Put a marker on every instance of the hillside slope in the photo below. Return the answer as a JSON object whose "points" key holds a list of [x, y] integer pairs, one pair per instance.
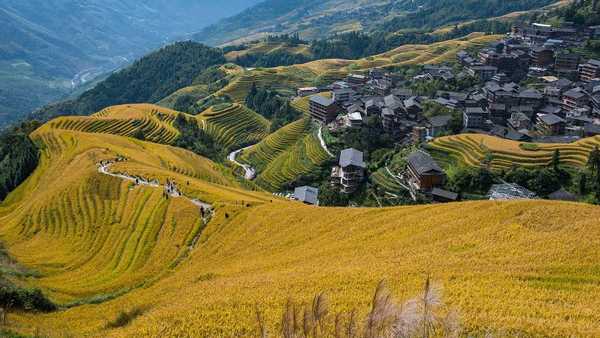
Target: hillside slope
{"points": [[151, 122], [287, 79], [494, 269], [92, 235], [474, 149], [319, 19]]}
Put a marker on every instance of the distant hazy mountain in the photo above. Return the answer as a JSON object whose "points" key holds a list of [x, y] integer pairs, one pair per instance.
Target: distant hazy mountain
{"points": [[49, 46], [321, 18]]}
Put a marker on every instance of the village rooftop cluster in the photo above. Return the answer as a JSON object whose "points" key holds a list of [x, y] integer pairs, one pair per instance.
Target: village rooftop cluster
{"points": [[532, 86]]}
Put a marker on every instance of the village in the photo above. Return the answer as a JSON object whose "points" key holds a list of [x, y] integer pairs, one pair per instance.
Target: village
{"points": [[532, 86]]}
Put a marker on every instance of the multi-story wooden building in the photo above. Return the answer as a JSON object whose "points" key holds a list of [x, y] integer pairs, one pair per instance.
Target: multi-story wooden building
{"points": [[424, 173], [574, 98], [350, 172], [323, 109], [589, 70]]}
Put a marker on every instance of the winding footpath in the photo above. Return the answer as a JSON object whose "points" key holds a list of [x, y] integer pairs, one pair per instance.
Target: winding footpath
{"points": [[169, 187], [396, 178], [249, 172], [323, 144]]}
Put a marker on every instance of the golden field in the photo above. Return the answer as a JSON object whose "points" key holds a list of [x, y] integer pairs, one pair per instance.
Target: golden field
{"points": [[155, 122], [473, 149], [528, 268]]}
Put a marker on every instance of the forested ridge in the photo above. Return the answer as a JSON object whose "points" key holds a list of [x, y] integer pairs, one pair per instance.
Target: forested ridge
{"points": [[147, 80], [436, 13]]}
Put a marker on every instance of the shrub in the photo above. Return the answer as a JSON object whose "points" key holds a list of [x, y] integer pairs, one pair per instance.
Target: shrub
{"points": [[529, 146], [25, 299], [139, 134], [125, 317]]}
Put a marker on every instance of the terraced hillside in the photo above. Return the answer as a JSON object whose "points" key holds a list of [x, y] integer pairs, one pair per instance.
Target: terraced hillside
{"points": [[120, 248], [289, 78], [267, 47], [285, 155], [267, 150], [284, 79], [386, 180], [234, 126], [92, 236], [304, 157], [197, 92], [155, 123], [473, 149]]}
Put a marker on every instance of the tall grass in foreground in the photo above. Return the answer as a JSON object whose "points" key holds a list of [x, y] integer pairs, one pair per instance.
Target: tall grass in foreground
{"points": [[422, 316]]}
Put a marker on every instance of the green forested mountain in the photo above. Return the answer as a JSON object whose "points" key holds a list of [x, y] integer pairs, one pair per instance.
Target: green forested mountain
{"points": [[147, 80], [585, 12], [318, 19], [48, 47]]}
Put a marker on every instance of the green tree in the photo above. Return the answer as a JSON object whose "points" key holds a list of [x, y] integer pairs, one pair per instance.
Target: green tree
{"points": [[594, 167], [139, 134], [544, 181], [556, 160], [18, 157]]}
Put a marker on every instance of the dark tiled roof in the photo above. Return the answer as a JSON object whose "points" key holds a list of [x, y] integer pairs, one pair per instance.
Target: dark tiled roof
{"points": [[412, 102], [550, 109], [515, 135], [474, 110], [423, 163], [440, 121], [354, 108], [594, 62], [562, 195], [449, 195], [321, 100], [562, 83], [551, 119], [531, 94], [353, 157], [307, 194], [497, 106], [387, 112], [575, 93], [343, 91]]}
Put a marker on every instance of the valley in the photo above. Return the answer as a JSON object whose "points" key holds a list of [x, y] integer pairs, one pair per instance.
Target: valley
{"points": [[66, 44]]}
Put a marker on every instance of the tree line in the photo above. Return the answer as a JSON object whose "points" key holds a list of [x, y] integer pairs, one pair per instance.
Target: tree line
{"points": [[272, 106], [18, 156], [193, 138]]}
